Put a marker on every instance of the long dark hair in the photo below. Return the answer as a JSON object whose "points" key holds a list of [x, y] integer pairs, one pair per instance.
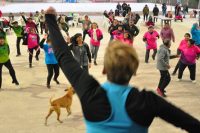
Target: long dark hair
{"points": [[73, 38]]}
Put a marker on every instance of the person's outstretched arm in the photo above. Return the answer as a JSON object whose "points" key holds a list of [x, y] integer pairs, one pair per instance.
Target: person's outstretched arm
{"points": [[143, 106], [80, 79]]}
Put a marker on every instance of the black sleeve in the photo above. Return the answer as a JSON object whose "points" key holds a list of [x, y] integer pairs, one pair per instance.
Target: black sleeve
{"points": [[82, 82], [38, 39], [173, 56], [42, 43], [36, 28], [143, 106], [88, 53], [24, 19], [8, 49], [144, 39], [136, 31]]}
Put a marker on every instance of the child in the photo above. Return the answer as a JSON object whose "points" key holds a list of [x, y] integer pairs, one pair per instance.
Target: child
{"points": [[150, 38], [127, 38], [163, 66], [81, 51], [112, 28], [50, 60], [19, 32], [150, 21], [119, 33], [32, 40], [95, 37], [115, 106], [189, 54], [5, 60]]}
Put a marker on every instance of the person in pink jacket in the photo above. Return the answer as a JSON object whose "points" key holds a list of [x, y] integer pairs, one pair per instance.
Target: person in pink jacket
{"points": [[32, 41], [184, 42], [95, 38], [127, 39], [150, 38], [119, 33], [189, 54], [167, 33]]}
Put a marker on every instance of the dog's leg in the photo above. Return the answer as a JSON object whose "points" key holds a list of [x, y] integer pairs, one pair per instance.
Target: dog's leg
{"points": [[69, 111], [50, 112], [58, 114]]}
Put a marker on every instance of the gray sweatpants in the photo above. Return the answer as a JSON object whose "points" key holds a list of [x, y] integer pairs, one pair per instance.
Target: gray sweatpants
{"points": [[94, 51]]}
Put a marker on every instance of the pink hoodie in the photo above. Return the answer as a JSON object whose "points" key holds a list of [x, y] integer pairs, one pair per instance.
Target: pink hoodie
{"points": [[151, 39], [189, 54], [32, 40], [183, 44], [118, 35], [92, 40]]}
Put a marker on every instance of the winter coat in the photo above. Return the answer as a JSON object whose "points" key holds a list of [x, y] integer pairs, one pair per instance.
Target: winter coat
{"points": [[163, 57], [151, 39], [92, 39]]}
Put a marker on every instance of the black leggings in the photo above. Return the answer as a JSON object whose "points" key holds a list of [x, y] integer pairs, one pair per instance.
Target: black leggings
{"points": [[177, 67], [147, 55], [18, 44], [146, 17], [164, 80], [37, 49], [84, 34], [192, 69], [52, 68], [11, 71]]}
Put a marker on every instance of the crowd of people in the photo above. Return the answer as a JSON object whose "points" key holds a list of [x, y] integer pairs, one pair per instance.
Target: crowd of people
{"points": [[58, 45]]}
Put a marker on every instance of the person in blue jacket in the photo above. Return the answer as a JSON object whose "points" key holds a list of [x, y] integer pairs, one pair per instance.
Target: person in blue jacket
{"points": [[195, 31], [50, 60]]}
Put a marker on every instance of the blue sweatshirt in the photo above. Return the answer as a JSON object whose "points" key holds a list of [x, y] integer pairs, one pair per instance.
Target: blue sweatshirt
{"points": [[49, 55], [195, 34]]}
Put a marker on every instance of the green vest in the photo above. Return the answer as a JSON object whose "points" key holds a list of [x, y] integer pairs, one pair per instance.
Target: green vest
{"points": [[4, 53], [4, 34], [18, 31]]}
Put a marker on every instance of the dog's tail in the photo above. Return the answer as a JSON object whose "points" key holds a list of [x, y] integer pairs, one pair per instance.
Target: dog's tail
{"points": [[50, 100]]}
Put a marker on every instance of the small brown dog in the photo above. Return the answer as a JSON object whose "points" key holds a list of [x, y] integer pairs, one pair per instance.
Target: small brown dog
{"points": [[63, 102]]}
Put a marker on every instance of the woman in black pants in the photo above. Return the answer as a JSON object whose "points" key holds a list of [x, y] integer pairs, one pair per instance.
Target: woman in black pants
{"points": [[184, 42], [189, 54]]}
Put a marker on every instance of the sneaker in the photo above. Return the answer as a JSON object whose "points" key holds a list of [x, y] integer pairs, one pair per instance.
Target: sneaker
{"points": [[95, 63], [57, 82], [194, 81], [160, 93], [153, 57], [18, 55], [30, 65], [178, 80], [37, 58], [15, 82], [173, 74], [48, 86]]}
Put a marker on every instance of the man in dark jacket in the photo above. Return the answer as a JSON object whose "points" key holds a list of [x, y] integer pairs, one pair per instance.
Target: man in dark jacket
{"points": [[119, 7], [155, 13]]}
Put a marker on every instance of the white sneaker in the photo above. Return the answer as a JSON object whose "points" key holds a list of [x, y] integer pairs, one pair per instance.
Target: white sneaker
{"points": [[178, 80], [194, 81]]}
